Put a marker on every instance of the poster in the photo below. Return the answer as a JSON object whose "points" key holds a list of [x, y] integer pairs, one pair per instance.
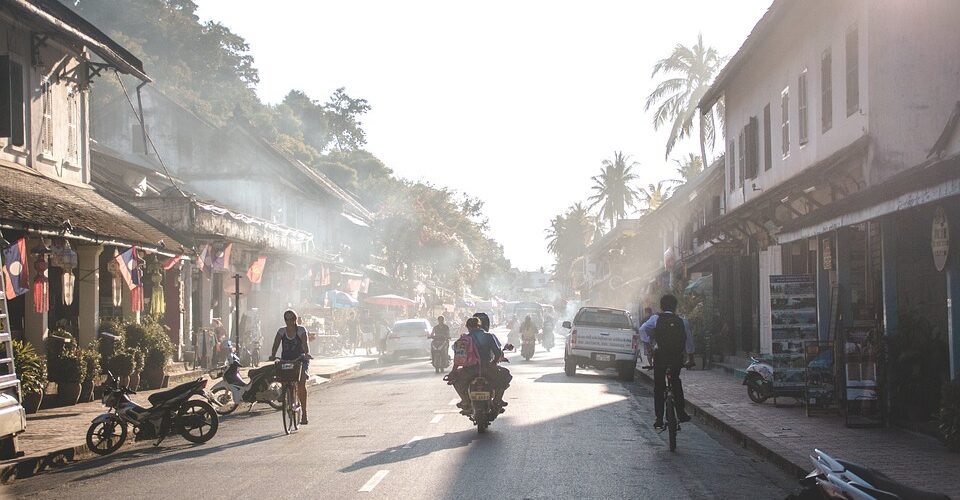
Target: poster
{"points": [[793, 310], [860, 356]]}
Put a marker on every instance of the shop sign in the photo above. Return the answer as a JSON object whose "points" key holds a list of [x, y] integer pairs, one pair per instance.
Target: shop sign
{"points": [[940, 239], [827, 255]]}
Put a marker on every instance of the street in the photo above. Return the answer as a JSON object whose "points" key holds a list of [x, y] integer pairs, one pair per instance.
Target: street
{"points": [[394, 432]]}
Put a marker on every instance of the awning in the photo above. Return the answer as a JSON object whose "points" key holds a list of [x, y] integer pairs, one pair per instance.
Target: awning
{"points": [[32, 202], [354, 219]]}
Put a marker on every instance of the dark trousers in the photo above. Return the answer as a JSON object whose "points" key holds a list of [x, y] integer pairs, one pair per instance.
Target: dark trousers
{"points": [[499, 376], [660, 387]]}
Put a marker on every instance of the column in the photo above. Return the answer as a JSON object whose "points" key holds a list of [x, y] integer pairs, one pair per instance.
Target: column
{"points": [[88, 286], [173, 307], [35, 324], [824, 286], [129, 314], [186, 302], [953, 313], [842, 263], [206, 295], [888, 251]]}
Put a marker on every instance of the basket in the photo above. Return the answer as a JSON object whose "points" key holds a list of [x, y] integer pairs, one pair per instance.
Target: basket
{"points": [[289, 371]]}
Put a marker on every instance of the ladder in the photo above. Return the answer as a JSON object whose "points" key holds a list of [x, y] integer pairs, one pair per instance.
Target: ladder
{"points": [[8, 374], [13, 419]]}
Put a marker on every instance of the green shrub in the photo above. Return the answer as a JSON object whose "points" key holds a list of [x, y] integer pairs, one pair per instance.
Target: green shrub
{"points": [[121, 364], [60, 345], [138, 358], [91, 361], [948, 418], [31, 368], [72, 368]]}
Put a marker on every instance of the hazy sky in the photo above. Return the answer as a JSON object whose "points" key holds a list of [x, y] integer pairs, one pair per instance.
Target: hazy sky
{"points": [[514, 102]]}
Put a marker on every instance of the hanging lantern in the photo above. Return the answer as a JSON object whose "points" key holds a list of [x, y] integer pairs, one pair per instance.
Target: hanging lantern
{"points": [[64, 257], [69, 281], [158, 305], [41, 286], [136, 295], [116, 281]]}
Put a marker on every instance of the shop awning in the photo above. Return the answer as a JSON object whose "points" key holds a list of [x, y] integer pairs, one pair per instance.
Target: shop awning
{"points": [[34, 203]]}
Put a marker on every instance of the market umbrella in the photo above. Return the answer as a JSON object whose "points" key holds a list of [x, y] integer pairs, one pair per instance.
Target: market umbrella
{"points": [[389, 300], [341, 300]]}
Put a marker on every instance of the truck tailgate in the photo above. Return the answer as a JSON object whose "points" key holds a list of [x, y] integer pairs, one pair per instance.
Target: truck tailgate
{"points": [[604, 339]]}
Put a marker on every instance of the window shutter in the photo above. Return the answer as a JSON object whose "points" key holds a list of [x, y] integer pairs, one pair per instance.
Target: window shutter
{"points": [[6, 110], [753, 131], [16, 104]]}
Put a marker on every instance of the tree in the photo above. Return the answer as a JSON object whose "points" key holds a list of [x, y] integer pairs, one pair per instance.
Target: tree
{"points": [[654, 195], [612, 188], [343, 113], [689, 71], [568, 237], [689, 168]]}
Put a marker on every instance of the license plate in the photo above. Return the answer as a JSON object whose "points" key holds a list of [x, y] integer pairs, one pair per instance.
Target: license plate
{"points": [[287, 366], [604, 357], [480, 396]]}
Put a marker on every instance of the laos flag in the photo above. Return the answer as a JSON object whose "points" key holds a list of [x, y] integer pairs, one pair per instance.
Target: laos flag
{"points": [[15, 272], [128, 266]]}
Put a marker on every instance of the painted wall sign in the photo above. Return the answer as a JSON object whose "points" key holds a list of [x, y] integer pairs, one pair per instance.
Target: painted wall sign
{"points": [[827, 255], [940, 239]]}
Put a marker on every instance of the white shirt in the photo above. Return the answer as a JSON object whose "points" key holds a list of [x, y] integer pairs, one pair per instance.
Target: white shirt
{"points": [[648, 326]]}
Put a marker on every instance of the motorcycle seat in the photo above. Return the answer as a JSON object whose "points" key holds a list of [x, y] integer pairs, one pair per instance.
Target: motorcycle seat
{"points": [[881, 482], [160, 397]]}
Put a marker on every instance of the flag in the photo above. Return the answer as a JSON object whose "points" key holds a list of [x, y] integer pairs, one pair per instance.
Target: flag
{"points": [[136, 277], [202, 260], [255, 271], [172, 261], [126, 263], [222, 259], [14, 267], [322, 276]]}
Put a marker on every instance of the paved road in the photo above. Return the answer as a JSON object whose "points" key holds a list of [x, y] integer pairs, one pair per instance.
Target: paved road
{"points": [[393, 432]]}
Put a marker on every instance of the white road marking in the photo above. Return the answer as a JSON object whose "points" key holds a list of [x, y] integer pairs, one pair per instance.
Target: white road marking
{"points": [[454, 401], [412, 441], [374, 481], [437, 419]]}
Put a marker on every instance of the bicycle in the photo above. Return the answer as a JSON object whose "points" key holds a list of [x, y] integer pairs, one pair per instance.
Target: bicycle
{"points": [[289, 373], [670, 408]]}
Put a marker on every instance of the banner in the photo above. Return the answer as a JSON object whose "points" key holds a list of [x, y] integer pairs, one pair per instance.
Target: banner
{"points": [[793, 310], [126, 264], [15, 269], [222, 258], [255, 271]]}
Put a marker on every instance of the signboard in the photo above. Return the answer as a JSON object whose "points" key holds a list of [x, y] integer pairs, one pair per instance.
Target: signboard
{"points": [[821, 393], [827, 255], [940, 239], [861, 389], [793, 311]]}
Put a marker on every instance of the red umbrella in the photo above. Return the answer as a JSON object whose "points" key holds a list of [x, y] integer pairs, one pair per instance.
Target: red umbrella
{"points": [[390, 300]]}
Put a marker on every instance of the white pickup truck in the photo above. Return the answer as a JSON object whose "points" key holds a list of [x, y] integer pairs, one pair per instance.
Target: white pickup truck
{"points": [[601, 338]]}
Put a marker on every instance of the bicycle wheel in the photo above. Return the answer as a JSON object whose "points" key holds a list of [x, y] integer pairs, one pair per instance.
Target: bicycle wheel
{"points": [[287, 412], [672, 424]]}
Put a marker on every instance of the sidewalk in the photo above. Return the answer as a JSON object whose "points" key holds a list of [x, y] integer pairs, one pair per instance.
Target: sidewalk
{"points": [[58, 435], [786, 436]]}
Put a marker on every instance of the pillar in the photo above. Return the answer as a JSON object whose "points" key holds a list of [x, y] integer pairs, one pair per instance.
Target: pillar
{"points": [[129, 314], [842, 263], [35, 325], [186, 302], [88, 289], [888, 253], [824, 285], [173, 307], [953, 313], [206, 297]]}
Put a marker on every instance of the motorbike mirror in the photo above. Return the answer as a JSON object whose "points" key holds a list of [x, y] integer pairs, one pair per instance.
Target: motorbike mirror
{"points": [[567, 325]]}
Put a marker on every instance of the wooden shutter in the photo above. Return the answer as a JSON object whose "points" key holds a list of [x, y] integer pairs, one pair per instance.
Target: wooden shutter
{"points": [[753, 143], [17, 137]]}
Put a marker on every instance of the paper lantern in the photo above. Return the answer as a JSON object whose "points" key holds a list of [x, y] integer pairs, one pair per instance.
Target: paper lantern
{"points": [[116, 281], [69, 281]]}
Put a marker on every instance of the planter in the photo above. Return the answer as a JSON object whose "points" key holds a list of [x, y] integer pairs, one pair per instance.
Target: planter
{"points": [[124, 380], [68, 393], [153, 377], [31, 402], [135, 381], [86, 391]]}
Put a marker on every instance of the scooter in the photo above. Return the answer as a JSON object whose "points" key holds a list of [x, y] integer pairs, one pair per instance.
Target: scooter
{"points": [[759, 382], [548, 339], [832, 478], [171, 411], [439, 354], [528, 345], [232, 390]]}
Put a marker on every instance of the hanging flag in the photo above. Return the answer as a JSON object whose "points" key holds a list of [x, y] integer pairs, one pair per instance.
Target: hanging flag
{"points": [[255, 271], [322, 276], [14, 267], [222, 259], [126, 263], [172, 261], [202, 260]]}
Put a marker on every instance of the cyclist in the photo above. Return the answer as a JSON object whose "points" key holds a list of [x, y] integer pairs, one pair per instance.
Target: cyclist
{"points": [[293, 338], [672, 337]]}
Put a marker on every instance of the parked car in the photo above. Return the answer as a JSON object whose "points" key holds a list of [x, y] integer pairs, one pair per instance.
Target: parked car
{"points": [[408, 337], [601, 338]]}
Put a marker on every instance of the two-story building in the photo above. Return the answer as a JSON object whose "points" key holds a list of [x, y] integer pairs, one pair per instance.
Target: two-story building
{"points": [[832, 110]]}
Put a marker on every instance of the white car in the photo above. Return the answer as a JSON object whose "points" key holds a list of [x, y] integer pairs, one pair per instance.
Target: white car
{"points": [[601, 338], [408, 337]]}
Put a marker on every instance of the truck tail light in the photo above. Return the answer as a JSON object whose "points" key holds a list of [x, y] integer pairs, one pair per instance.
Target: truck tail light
{"points": [[573, 337]]}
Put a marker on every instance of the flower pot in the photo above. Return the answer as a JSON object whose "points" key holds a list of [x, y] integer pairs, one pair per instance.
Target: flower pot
{"points": [[135, 380], [124, 380], [86, 391], [153, 377], [68, 393], [31, 402]]}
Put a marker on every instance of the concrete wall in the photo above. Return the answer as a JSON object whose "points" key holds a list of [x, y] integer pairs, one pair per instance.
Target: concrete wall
{"points": [[795, 45]]}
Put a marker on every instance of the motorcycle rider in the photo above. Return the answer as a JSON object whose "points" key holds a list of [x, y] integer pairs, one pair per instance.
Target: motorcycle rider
{"points": [[295, 345], [490, 354], [503, 374], [671, 336], [441, 333], [528, 331]]}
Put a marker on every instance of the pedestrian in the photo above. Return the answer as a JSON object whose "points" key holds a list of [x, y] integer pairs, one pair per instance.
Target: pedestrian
{"points": [[293, 338]]}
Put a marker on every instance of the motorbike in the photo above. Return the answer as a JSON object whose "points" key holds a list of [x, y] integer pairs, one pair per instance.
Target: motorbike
{"points": [[528, 345], [232, 390], [760, 387], [832, 478], [440, 354], [548, 339], [482, 396], [171, 411]]}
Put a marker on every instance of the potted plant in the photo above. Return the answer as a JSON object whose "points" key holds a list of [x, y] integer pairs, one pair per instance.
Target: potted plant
{"points": [[135, 377], [158, 351], [110, 339], [71, 374], [121, 366], [31, 370], [91, 362]]}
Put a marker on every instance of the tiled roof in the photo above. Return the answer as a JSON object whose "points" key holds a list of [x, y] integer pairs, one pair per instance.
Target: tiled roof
{"points": [[32, 201]]}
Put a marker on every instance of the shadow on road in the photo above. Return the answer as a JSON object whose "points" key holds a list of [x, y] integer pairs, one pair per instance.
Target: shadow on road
{"points": [[417, 449], [580, 378]]}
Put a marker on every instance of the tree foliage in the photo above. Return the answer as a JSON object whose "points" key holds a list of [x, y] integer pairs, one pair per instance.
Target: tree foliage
{"points": [[613, 191]]}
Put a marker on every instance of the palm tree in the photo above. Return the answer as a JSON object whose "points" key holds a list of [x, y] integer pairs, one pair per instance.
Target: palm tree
{"points": [[654, 195], [613, 190], [555, 235], [689, 167], [568, 236], [689, 71]]}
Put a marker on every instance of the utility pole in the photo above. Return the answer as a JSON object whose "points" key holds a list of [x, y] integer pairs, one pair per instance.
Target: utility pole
{"points": [[236, 309]]}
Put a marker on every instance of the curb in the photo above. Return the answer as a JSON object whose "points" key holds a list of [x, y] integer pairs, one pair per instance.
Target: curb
{"points": [[757, 443], [34, 465]]}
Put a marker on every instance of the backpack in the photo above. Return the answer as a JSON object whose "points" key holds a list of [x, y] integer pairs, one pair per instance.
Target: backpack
{"points": [[670, 336], [465, 351]]}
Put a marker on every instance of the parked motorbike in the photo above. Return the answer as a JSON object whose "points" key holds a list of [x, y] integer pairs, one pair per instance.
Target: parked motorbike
{"points": [[171, 411], [440, 354], [232, 390], [760, 386], [832, 478]]}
